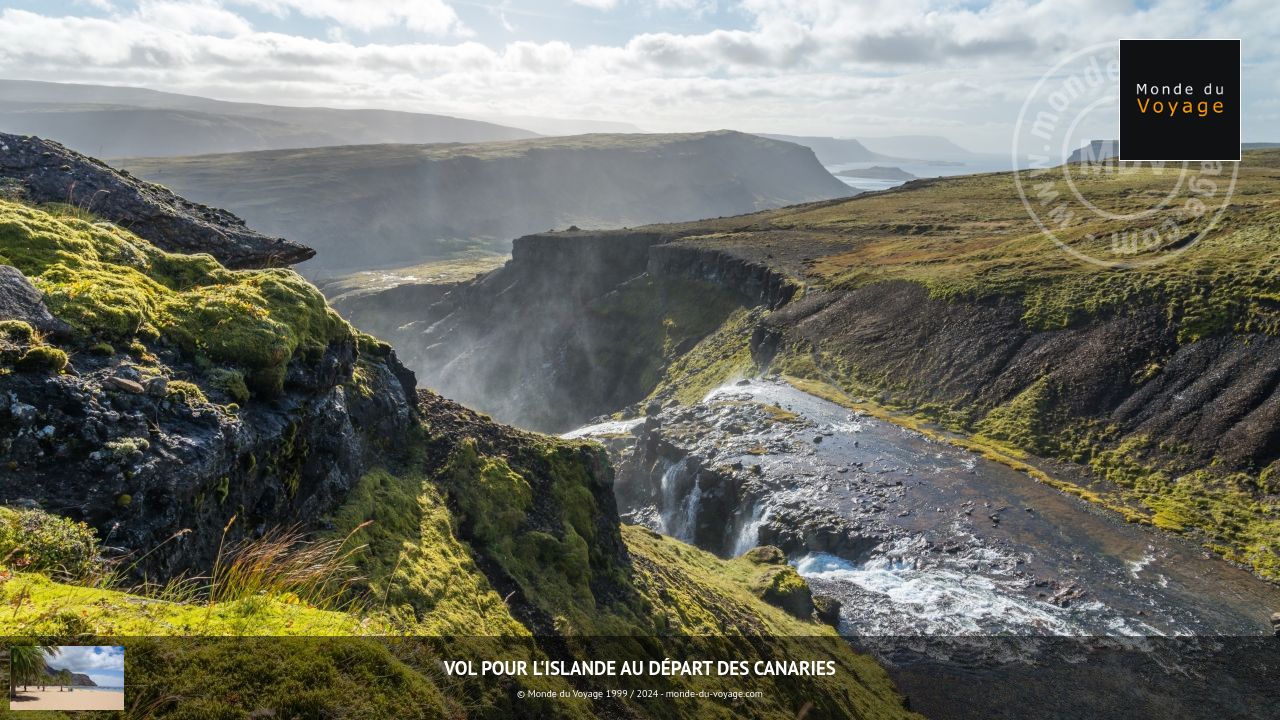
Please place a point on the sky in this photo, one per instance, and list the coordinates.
(812, 67)
(104, 664)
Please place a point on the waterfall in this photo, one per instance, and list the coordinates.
(749, 534)
(670, 493)
(689, 526)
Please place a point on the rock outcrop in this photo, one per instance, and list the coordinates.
(42, 171)
(77, 679)
(154, 395)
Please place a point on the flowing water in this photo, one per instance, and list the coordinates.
(963, 545)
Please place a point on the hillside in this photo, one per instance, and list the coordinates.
(109, 121)
(365, 207)
(831, 151)
(198, 451)
(1150, 391)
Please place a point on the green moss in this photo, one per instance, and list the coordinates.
(185, 392)
(37, 541)
(719, 357)
(109, 612)
(783, 587)
(646, 325)
(18, 331)
(102, 349)
(1023, 420)
(110, 285)
(128, 447)
(42, 358)
(370, 345)
(230, 382)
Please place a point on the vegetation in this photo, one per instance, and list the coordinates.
(648, 324)
(39, 542)
(112, 286)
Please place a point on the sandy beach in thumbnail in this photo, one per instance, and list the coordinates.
(78, 699)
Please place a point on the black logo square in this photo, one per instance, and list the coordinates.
(1180, 100)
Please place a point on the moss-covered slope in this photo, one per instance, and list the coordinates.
(192, 411)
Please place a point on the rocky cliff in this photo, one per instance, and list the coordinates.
(1151, 391)
(42, 171)
(378, 206)
(77, 679)
(148, 392)
(191, 414)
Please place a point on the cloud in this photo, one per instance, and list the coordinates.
(192, 16)
(801, 66)
(597, 4)
(426, 16)
(89, 658)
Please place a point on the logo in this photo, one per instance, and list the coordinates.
(1098, 208)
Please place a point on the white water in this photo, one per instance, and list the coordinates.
(612, 427)
(749, 535)
(670, 501)
(936, 601)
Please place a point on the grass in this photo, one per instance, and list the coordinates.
(649, 325)
(969, 238)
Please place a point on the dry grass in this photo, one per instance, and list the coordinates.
(284, 563)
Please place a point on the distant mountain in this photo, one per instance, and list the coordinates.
(1259, 145)
(920, 147)
(563, 126)
(380, 206)
(108, 121)
(1096, 151)
(77, 679)
(878, 172)
(831, 151)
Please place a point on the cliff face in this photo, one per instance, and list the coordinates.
(576, 324)
(1151, 391)
(153, 394)
(77, 679)
(42, 171)
(388, 205)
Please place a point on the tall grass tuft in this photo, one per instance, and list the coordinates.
(284, 563)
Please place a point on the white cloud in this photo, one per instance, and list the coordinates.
(89, 658)
(597, 4)
(192, 16)
(801, 66)
(426, 16)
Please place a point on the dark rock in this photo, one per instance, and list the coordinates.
(150, 211)
(827, 609)
(157, 386)
(20, 300)
(124, 384)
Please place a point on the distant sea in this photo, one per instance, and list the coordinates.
(921, 169)
(99, 688)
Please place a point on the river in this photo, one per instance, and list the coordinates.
(932, 542)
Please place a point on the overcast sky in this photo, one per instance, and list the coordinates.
(823, 67)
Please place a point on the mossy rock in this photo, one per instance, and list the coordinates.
(766, 555)
(112, 286)
(42, 358)
(48, 543)
(784, 588)
(17, 331)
